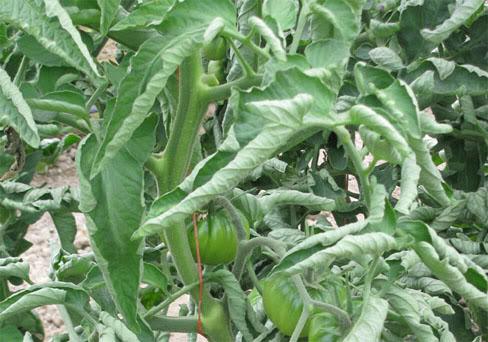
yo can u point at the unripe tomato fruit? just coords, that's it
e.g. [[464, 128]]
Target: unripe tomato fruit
[[283, 304], [217, 237], [216, 49]]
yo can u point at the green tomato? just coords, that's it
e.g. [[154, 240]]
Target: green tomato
[[323, 328], [218, 238], [216, 49], [283, 303]]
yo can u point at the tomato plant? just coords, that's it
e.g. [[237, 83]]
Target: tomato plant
[[349, 136]]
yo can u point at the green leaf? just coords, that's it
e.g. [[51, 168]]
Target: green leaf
[[462, 13], [383, 30], [236, 299], [379, 147], [370, 322], [58, 36], [283, 11], [343, 16], [377, 205], [64, 101], [408, 187], [430, 126], [394, 94], [14, 267], [293, 197], [349, 247], [316, 243], [154, 276], [112, 218], [386, 58], [451, 276], [268, 35], [430, 176], [11, 334], [31, 48], [40, 295], [194, 15], [15, 111], [146, 14], [65, 224], [408, 309], [109, 9], [362, 115]]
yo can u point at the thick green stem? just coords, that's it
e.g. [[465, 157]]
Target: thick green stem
[[191, 109], [169, 171]]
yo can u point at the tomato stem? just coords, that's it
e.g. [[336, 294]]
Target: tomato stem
[[247, 246]]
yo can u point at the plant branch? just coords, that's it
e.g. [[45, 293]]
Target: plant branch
[[174, 296], [345, 138], [247, 42], [222, 92], [173, 324], [234, 216], [247, 246]]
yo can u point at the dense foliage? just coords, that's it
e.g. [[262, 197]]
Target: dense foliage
[[351, 136]]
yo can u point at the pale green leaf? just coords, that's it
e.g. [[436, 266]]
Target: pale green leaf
[[377, 203], [14, 267], [344, 16], [213, 30], [430, 126], [148, 13], [386, 58], [268, 34], [283, 11], [444, 67], [41, 295], [109, 9], [363, 115], [54, 9], [408, 186], [113, 218], [430, 176], [462, 12], [293, 197], [383, 30], [236, 299], [15, 111], [349, 247], [370, 322], [451, 276], [408, 309], [395, 95], [379, 147], [194, 15], [63, 101]]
